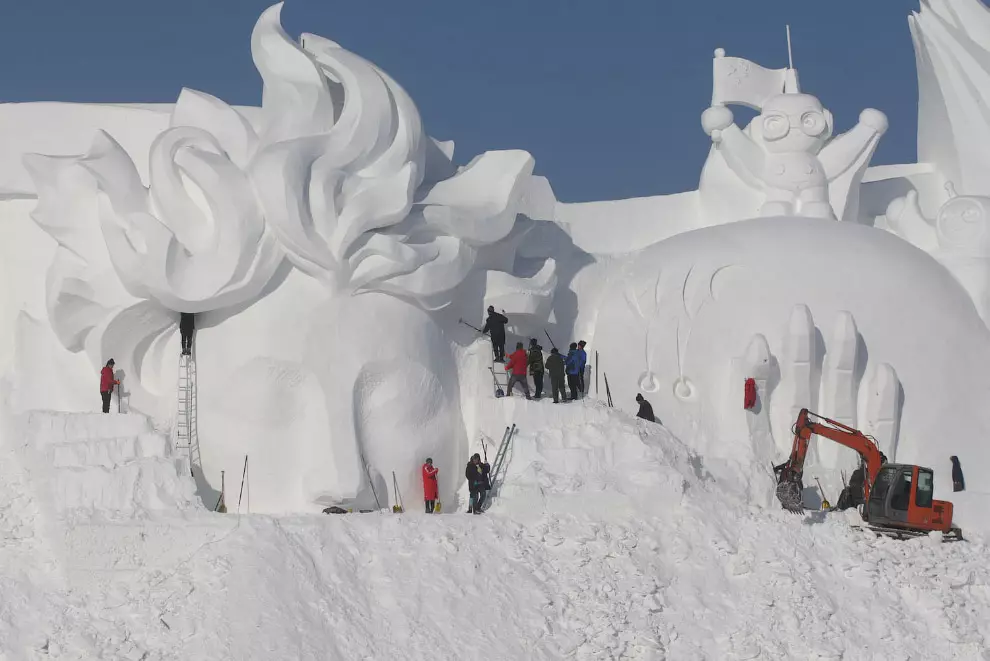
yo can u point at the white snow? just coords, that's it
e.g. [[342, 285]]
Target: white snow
[[610, 539]]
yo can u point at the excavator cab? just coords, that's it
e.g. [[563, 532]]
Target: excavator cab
[[901, 497]]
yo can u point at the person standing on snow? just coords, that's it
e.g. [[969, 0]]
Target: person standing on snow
[[430, 489], [187, 326], [572, 364], [958, 482], [536, 366], [476, 474], [555, 366], [107, 383], [517, 369], [495, 326], [583, 363], [645, 409]]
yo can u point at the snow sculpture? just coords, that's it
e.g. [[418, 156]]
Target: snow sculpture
[[959, 238], [334, 178], [952, 50], [787, 153]]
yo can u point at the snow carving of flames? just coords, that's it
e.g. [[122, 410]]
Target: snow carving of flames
[[337, 176]]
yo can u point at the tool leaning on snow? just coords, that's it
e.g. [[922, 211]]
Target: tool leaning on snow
[[896, 498]]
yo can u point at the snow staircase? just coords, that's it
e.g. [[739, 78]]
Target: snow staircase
[[186, 431], [103, 462]]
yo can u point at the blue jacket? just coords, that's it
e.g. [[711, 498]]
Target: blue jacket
[[582, 358], [573, 362]]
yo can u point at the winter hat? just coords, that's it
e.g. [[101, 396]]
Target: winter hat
[[582, 343], [429, 460], [532, 341], [554, 350], [574, 345], [475, 456], [639, 397], [110, 362], [491, 308], [519, 345]]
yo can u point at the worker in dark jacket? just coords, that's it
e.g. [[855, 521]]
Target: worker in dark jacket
[[477, 475], [958, 482], [536, 366], [555, 366], [187, 326], [107, 383], [645, 410], [495, 326]]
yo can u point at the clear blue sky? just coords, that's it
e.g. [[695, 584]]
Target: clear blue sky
[[606, 94]]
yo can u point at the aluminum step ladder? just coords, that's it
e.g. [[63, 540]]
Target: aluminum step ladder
[[186, 431]]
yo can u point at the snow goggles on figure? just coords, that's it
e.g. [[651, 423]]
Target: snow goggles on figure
[[777, 124]]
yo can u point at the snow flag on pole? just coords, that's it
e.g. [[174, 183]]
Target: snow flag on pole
[[741, 82]]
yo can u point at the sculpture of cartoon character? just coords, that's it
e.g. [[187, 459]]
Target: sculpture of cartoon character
[[787, 152]]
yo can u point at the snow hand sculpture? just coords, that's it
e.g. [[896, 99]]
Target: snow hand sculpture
[[786, 152], [837, 385]]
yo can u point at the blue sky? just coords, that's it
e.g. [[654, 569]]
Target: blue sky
[[605, 94]]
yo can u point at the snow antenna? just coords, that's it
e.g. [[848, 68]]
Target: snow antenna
[[791, 84], [790, 56]]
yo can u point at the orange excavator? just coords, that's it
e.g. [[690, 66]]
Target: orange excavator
[[896, 499]]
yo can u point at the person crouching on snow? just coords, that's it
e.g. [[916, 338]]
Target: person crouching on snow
[[430, 490], [107, 382], [476, 473]]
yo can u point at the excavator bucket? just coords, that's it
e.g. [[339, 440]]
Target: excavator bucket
[[789, 495], [789, 489]]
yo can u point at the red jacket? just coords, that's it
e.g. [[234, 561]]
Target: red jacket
[[106, 379], [517, 362], [429, 482]]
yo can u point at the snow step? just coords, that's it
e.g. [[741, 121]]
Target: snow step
[[47, 427], [109, 452], [150, 484]]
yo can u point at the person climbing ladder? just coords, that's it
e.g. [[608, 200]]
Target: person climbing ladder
[[495, 326], [187, 326]]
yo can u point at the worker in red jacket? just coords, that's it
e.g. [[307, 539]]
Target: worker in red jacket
[[517, 369], [430, 490], [107, 382]]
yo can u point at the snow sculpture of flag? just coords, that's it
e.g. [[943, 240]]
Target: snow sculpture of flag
[[738, 81]]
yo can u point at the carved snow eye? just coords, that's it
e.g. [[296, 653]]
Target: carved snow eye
[[775, 127], [813, 123]]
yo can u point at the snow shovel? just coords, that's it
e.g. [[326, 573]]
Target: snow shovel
[[436, 508], [397, 508], [498, 389]]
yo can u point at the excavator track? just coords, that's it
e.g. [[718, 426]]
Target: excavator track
[[954, 534]]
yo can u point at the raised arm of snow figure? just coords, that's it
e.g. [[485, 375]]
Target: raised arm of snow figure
[[843, 151], [741, 153]]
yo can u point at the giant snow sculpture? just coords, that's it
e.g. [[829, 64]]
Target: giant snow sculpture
[[328, 245]]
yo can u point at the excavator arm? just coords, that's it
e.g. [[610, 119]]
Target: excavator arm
[[790, 473]]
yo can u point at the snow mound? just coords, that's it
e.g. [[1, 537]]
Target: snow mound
[[609, 539], [113, 464]]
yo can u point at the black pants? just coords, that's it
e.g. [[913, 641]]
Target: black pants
[[187, 338], [430, 504], [538, 383], [477, 501], [557, 388], [106, 400], [572, 383], [498, 346], [581, 380]]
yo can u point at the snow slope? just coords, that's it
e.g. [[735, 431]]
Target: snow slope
[[610, 539]]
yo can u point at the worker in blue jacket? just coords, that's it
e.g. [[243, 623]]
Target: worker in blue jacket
[[573, 365], [583, 364]]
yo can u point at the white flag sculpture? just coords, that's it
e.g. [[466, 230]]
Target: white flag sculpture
[[738, 81]]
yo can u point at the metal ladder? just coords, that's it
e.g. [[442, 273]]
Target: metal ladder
[[498, 466], [186, 432]]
